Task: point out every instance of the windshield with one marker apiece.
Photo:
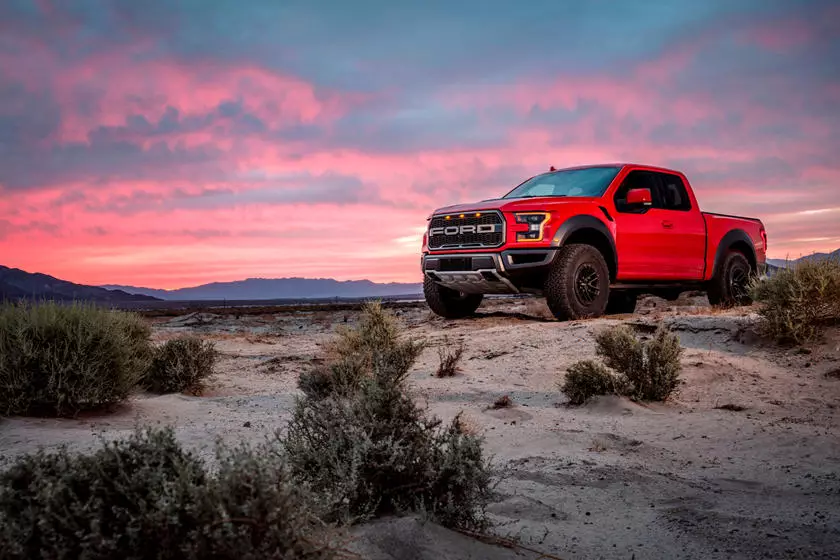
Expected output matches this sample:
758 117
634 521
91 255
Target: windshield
587 181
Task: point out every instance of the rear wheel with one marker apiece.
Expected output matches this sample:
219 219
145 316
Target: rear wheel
449 303
578 283
621 302
731 283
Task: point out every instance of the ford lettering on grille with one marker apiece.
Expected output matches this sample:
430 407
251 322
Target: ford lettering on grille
480 229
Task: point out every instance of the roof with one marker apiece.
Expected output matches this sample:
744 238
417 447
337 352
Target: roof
621 164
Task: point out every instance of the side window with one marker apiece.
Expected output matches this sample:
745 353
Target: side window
674 195
637 180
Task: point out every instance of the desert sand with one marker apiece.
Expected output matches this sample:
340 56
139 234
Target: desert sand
744 462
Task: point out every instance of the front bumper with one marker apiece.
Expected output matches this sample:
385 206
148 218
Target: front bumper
486 273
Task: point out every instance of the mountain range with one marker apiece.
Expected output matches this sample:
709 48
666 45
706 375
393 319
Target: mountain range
19 284
784 263
278 288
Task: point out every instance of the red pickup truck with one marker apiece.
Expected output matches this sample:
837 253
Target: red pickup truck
590 240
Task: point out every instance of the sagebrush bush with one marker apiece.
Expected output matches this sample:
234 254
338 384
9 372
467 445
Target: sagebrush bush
449 358
586 379
620 349
365 448
145 497
357 354
796 303
340 377
181 365
651 368
61 359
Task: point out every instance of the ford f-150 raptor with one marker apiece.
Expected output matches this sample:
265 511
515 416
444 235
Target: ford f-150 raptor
590 240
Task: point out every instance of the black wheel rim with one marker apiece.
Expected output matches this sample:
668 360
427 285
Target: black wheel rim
739 278
587 284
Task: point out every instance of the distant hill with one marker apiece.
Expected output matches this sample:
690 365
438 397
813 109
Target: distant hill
783 263
19 284
279 288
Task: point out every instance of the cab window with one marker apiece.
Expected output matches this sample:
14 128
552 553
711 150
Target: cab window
637 180
674 195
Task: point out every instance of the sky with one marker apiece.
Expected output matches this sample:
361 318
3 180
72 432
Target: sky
174 143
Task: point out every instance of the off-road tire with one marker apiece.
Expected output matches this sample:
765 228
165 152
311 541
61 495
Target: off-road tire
578 283
449 303
730 284
620 302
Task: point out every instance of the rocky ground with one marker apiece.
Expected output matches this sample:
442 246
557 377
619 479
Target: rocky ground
743 463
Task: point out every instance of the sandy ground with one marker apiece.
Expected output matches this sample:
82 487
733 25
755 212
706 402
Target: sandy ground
611 479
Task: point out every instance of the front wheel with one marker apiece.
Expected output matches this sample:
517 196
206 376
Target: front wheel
449 303
731 283
578 284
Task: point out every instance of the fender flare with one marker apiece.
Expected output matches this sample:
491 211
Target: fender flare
585 221
731 237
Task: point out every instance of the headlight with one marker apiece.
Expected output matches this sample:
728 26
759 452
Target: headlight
536 225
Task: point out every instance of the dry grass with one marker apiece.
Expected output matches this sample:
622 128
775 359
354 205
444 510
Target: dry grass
449 358
732 407
598 446
502 402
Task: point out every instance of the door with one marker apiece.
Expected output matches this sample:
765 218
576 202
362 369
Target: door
636 232
665 240
685 229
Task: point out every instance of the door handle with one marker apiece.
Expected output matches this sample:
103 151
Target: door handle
667 224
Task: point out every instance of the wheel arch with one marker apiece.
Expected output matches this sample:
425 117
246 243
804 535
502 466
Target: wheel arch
735 240
589 230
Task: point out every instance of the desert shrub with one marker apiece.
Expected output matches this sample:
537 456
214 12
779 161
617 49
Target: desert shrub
661 373
502 402
797 302
342 376
61 359
651 368
181 365
368 449
145 497
620 349
373 346
586 379
449 356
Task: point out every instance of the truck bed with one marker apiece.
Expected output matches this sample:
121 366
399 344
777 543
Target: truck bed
716 214
724 229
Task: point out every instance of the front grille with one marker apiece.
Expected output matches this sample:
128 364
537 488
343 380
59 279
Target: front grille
486 230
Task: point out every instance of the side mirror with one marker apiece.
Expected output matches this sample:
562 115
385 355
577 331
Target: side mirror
639 197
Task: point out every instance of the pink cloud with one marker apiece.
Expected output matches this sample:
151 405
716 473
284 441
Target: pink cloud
176 233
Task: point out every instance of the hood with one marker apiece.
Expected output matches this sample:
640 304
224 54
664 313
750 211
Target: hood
513 204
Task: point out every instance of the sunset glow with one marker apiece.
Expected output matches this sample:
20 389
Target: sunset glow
168 144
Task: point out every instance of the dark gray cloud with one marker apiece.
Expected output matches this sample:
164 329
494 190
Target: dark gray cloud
101 161
412 55
253 189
